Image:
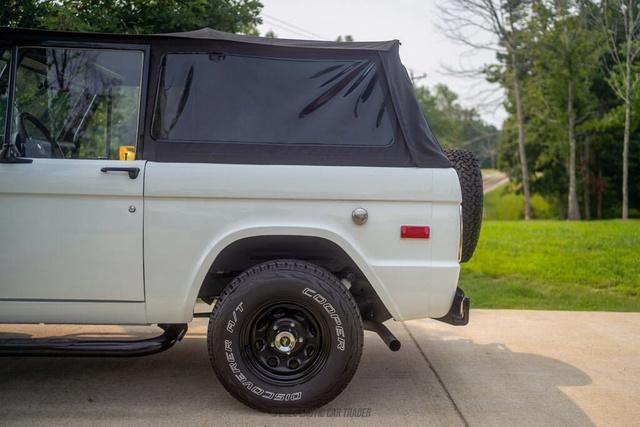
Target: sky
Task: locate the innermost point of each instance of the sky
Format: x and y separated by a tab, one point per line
424	48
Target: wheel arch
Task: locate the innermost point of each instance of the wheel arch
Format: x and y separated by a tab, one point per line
242	249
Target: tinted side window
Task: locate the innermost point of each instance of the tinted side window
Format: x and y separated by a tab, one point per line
244	99
77	103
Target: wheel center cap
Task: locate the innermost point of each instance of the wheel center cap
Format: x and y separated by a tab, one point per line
284	342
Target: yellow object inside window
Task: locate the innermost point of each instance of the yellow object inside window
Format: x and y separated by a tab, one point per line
127	152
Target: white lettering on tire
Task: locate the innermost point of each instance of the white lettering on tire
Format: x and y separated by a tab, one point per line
233	366
330	309
232	323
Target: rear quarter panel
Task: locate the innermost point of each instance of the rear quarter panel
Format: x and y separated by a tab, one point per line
193	211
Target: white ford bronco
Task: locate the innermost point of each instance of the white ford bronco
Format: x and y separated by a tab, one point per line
293	185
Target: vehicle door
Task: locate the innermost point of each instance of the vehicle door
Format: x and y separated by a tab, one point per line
71	213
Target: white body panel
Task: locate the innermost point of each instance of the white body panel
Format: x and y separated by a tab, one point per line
67	235
73	253
69	312
193	211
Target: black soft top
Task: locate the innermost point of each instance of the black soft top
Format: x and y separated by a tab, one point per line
201	34
414	146
211	34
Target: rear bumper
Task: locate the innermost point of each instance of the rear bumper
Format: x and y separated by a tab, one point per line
458	314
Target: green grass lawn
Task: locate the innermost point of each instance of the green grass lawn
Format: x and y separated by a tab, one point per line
556	265
503	204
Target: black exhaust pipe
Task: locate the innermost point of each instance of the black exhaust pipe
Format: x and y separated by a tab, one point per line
384	333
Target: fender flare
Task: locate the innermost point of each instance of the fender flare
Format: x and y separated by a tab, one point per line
218	245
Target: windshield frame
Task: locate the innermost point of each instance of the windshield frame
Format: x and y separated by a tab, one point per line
11	91
145	49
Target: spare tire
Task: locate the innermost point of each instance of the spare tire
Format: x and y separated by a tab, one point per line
468	168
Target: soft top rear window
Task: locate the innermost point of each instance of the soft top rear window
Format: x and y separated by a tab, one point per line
212	97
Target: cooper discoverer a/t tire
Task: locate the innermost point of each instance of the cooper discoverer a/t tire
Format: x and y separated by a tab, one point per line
466	165
285	336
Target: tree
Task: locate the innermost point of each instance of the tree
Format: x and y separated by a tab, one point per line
23	13
134	16
621	21
503	20
458	127
571	115
565	56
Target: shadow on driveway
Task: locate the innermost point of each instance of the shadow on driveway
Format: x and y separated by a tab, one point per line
489	383
493	385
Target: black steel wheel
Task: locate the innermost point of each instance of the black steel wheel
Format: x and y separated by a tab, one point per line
286	343
285	336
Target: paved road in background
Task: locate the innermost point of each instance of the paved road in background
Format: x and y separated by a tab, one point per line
505	368
493	180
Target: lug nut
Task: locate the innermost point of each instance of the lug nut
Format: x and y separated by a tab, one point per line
293	364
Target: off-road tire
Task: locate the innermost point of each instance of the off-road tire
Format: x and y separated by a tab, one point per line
239	313
466	165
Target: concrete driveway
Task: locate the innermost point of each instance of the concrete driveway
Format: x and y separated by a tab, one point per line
505	368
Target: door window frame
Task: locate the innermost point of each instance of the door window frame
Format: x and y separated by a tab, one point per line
144	77
11	91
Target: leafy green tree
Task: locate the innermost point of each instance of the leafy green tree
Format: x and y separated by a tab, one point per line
458	127
565	59
23	13
504	21
621	22
134	16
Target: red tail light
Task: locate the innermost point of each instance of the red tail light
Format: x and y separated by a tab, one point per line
415	231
